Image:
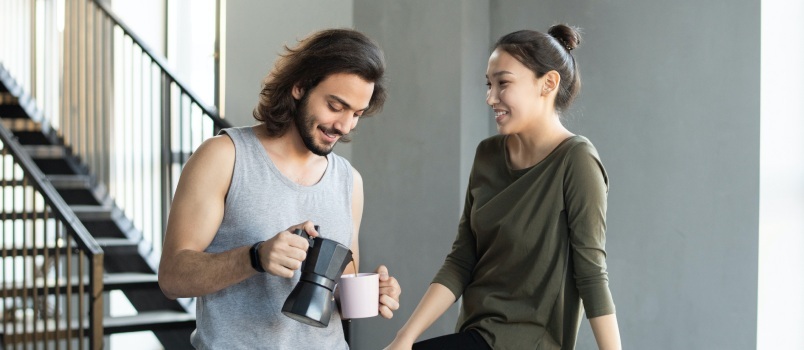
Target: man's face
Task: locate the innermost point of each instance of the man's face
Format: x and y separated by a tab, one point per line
331	110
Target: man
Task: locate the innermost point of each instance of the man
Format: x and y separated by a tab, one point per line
260	183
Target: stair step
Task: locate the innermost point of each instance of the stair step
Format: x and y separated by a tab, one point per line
32	138
130	281
125	281
55	166
103	220
92	212
45	151
104	228
118	246
78	196
144	321
70	182
12	111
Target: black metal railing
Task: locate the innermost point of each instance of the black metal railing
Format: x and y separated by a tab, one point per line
128	115
52	269
91	83
114	103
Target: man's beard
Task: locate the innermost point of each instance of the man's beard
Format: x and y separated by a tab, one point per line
305	123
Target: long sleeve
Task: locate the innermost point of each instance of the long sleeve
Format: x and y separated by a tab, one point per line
585	195
456	272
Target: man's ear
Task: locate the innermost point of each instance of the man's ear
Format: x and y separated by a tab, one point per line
297	92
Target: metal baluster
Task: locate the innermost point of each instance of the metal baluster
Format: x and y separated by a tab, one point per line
45	270
24	259
69	292
34	251
3	220
166	180
181	131
14	217
81	296
57	271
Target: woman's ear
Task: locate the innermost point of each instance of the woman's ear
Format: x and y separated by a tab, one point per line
551	81
297	92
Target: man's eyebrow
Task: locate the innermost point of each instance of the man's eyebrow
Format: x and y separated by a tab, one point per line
344	103
497	74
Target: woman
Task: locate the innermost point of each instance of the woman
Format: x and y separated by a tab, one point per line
531	242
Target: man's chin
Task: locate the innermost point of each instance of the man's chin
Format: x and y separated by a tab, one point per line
322	151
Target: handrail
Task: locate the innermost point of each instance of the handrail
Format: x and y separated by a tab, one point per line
211	111
84	239
43	326
126	119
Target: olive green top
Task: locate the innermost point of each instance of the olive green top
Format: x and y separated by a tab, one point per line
531	246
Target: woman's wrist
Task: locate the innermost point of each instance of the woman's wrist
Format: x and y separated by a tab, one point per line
405	336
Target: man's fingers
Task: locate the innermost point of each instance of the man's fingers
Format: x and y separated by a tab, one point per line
292	263
389	302
383	272
386	312
391	287
298	242
281	271
309	227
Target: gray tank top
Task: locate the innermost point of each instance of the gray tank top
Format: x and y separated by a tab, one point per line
262	202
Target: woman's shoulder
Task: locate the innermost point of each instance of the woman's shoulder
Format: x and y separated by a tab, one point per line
581	158
579	145
492	144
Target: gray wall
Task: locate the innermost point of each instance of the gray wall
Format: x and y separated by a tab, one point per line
671	100
416	155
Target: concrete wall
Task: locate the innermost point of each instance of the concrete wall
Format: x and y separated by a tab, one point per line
671	100
415	156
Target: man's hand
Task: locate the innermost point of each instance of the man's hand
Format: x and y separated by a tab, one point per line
284	253
389	293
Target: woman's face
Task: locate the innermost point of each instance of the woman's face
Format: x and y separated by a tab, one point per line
514	93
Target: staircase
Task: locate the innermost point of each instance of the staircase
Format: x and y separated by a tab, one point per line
126	266
102	129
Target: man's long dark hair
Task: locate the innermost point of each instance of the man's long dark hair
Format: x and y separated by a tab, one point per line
315	58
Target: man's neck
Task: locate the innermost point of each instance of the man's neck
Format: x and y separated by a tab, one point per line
292	157
288	146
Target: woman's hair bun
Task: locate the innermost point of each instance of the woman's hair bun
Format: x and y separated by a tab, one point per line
567	36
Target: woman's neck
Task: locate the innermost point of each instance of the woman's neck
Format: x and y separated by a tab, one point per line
528	148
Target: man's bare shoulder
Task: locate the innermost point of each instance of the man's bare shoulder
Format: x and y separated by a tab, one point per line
212	163
217	146
358	179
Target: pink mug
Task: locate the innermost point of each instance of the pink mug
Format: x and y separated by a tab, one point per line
360	295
